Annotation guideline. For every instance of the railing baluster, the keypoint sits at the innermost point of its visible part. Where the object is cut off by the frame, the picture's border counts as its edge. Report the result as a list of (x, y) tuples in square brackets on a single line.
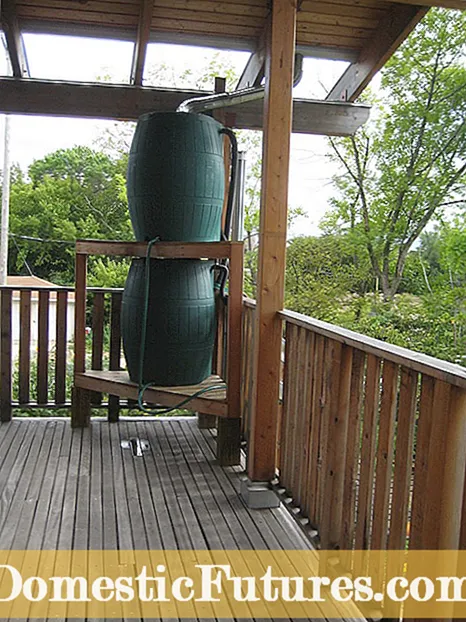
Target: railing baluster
[(403, 460), (247, 361), (61, 346), (420, 492), (331, 371), (316, 406), (454, 471), (383, 474), (306, 387), (432, 507), (115, 352), (352, 449), (289, 394), (366, 482), (298, 407), (98, 308), (43, 348), (462, 544), (337, 446), (5, 355), (24, 347)]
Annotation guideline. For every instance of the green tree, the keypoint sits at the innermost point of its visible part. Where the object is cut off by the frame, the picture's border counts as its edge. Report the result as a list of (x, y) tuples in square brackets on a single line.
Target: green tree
[(405, 168), (72, 193), (323, 276)]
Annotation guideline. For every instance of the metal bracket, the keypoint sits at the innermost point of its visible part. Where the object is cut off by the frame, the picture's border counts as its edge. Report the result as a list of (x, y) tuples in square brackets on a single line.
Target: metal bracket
[(137, 446)]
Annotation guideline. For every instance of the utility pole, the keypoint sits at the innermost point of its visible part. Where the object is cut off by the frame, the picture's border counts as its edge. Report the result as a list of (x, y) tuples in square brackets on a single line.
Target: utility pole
[(5, 213)]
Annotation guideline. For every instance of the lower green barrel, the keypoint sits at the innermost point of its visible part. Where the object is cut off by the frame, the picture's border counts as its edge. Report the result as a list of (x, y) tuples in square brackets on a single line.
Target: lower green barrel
[(180, 322), (176, 178)]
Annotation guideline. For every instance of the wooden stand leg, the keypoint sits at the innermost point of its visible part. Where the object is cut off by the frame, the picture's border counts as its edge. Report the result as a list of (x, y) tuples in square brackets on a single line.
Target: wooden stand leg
[(113, 409), (229, 441), (115, 351), (206, 422), (80, 408), (6, 412)]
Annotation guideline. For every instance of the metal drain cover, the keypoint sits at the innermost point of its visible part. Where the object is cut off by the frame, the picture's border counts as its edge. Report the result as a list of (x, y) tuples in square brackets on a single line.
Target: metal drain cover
[(137, 445)]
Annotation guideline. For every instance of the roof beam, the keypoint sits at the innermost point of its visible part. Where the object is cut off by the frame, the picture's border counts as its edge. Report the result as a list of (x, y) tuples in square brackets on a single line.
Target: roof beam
[(14, 39), (446, 4), (392, 30), (319, 118), (142, 40), (95, 101), (103, 101)]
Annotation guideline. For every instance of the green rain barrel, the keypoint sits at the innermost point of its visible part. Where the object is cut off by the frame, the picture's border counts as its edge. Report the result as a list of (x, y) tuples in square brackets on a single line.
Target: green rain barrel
[(180, 322), (175, 178)]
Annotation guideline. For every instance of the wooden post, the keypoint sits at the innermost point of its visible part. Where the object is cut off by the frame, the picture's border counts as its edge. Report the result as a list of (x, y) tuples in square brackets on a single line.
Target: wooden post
[(80, 411), (206, 421), (229, 441), (272, 239), (229, 429)]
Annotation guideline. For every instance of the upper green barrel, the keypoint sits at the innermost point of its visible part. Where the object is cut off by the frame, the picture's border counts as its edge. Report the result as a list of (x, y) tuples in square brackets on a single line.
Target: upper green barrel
[(176, 178)]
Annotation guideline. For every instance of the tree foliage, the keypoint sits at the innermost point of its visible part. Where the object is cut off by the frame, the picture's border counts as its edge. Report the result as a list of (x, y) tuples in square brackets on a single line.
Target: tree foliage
[(401, 171), (69, 194)]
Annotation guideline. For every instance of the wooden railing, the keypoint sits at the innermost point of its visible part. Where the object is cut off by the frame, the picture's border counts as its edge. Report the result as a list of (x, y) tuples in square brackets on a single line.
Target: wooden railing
[(36, 345), (372, 440)]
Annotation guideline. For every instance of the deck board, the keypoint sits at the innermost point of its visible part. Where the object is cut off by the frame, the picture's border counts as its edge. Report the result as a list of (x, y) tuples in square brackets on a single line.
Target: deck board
[(63, 488)]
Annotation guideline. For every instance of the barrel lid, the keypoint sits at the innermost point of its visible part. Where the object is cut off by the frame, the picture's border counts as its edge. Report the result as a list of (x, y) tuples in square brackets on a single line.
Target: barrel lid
[(149, 116)]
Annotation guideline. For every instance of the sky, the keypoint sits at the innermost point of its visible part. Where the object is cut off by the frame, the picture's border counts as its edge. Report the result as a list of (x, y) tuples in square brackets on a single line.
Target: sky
[(84, 59)]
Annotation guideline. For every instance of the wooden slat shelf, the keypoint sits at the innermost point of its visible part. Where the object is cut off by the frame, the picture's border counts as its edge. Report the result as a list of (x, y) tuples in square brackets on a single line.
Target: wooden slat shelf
[(118, 383)]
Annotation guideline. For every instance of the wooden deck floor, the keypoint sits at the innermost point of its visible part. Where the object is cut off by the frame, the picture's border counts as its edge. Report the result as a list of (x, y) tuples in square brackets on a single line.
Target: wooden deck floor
[(62, 488)]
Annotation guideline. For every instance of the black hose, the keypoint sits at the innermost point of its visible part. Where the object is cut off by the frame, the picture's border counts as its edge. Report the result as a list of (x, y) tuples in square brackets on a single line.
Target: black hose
[(221, 279), (231, 189)]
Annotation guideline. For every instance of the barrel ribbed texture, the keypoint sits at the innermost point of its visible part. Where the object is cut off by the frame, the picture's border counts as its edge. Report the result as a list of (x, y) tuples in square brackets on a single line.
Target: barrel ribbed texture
[(180, 325), (175, 181)]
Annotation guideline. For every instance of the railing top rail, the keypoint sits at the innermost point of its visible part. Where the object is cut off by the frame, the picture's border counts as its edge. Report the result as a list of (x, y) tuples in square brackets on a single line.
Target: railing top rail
[(422, 363), (57, 288)]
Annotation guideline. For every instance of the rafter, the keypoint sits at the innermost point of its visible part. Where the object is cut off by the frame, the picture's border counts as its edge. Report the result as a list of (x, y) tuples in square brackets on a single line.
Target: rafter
[(253, 73), (14, 39), (392, 31), (142, 39)]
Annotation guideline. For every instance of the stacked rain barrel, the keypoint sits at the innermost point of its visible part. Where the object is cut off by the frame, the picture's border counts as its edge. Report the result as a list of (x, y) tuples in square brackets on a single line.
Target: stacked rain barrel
[(175, 186)]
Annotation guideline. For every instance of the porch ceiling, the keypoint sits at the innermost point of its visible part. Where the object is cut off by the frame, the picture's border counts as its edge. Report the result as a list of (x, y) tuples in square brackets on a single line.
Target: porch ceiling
[(364, 32), (325, 27)]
